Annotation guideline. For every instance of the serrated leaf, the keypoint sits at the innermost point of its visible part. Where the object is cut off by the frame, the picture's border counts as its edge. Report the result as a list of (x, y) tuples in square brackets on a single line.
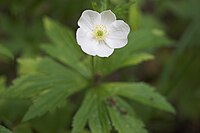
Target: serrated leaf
[(50, 100), (64, 47), (83, 114), (60, 53), (124, 119), (50, 85), (47, 73), (61, 35), (5, 52), (94, 111), (99, 120), (28, 86), (4, 130), (142, 93)]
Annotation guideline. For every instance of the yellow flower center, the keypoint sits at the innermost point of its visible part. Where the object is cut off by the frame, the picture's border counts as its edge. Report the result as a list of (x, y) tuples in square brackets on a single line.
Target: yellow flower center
[(100, 32)]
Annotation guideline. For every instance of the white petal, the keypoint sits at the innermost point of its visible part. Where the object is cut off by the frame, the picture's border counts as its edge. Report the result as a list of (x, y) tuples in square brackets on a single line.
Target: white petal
[(116, 43), (119, 29), (118, 34), (80, 35), (107, 17), (103, 50), (86, 42), (88, 19)]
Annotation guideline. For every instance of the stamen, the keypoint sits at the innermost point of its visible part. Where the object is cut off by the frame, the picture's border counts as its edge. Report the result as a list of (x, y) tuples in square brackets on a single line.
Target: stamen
[(100, 32)]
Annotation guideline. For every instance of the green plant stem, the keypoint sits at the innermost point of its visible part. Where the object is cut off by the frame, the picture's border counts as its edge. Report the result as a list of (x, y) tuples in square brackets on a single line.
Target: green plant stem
[(105, 5), (93, 71)]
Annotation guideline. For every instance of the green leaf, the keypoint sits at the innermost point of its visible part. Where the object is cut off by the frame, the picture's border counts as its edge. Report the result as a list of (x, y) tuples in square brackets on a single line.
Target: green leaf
[(138, 58), (5, 52), (28, 86), (64, 48), (50, 85), (98, 111), (4, 130), (123, 117), (45, 74), (62, 54), (62, 36), (93, 112), (81, 118), (99, 120), (134, 53), (114, 65), (28, 65), (142, 93), (121, 7), (23, 128), (135, 16), (147, 39), (50, 100)]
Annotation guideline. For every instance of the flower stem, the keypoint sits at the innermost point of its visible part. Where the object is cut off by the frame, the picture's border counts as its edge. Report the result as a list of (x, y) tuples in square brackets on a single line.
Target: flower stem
[(93, 71)]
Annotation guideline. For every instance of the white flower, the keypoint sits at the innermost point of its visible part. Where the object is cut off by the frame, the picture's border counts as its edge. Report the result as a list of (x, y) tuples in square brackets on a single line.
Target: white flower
[(100, 33)]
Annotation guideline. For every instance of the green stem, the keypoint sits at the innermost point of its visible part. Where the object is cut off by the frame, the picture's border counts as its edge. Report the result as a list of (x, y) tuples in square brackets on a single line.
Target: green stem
[(93, 71), (106, 4)]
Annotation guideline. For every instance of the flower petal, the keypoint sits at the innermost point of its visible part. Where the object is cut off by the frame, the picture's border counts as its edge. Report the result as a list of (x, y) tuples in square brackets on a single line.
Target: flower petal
[(119, 29), (102, 49), (86, 42), (107, 17), (116, 43), (118, 34), (88, 19)]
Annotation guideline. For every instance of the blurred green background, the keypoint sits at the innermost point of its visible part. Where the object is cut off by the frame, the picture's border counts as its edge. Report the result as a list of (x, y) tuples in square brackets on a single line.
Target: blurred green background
[(175, 70)]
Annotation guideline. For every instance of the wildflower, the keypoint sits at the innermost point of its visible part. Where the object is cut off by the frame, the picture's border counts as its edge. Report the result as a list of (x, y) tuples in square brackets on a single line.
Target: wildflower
[(100, 33)]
